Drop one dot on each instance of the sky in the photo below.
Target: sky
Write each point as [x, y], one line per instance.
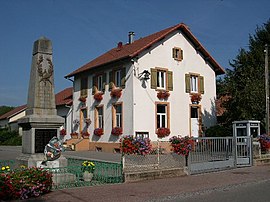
[81, 30]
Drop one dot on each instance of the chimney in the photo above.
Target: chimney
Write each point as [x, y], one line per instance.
[131, 37]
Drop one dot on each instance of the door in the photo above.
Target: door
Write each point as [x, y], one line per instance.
[194, 121]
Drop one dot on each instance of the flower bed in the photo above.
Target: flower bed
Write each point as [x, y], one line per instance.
[131, 145]
[265, 142]
[117, 131]
[98, 131]
[24, 183]
[181, 145]
[163, 132]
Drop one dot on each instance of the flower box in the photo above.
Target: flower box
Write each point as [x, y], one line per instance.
[74, 135]
[98, 96]
[117, 131]
[195, 98]
[85, 135]
[98, 132]
[163, 132]
[82, 99]
[87, 121]
[163, 94]
[116, 92]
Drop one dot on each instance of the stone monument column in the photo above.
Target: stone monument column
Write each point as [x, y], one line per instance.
[41, 122]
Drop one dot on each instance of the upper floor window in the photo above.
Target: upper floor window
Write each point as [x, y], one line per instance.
[194, 83]
[161, 79]
[84, 85]
[117, 78]
[177, 53]
[99, 82]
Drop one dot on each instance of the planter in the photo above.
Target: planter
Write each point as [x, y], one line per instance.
[98, 96]
[195, 98]
[163, 94]
[74, 135]
[87, 176]
[98, 132]
[116, 93]
[117, 131]
[163, 132]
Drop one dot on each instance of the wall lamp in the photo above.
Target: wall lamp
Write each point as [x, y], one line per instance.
[144, 75]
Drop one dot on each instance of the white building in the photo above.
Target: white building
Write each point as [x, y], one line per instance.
[179, 66]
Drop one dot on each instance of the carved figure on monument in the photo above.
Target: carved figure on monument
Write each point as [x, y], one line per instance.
[53, 150]
[44, 74]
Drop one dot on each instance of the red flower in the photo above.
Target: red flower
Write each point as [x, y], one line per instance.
[196, 98]
[85, 134]
[163, 94]
[82, 99]
[163, 132]
[98, 96]
[117, 131]
[98, 131]
[63, 132]
[116, 92]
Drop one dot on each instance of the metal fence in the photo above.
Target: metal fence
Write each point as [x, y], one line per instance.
[212, 153]
[159, 158]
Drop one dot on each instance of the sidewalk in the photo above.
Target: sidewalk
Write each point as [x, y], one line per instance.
[162, 189]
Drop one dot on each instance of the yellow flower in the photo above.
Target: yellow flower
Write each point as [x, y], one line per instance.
[3, 168]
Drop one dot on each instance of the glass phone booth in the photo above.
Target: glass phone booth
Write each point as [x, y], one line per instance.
[243, 132]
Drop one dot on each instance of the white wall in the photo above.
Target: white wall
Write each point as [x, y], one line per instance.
[145, 98]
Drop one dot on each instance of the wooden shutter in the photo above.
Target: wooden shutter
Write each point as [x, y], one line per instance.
[187, 82]
[111, 81]
[123, 77]
[181, 55]
[153, 78]
[104, 81]
[84, 84]
[170, 80]
[201, 84]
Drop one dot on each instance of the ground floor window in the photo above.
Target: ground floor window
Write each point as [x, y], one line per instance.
[162, 115]
[99, 120]
[117, 115]
[141, 135]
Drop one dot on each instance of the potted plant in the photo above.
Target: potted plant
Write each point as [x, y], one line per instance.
[139, 146]
[196, 98]
[162, 94]
[117, 131]
[88, 168]
[116, 92]
[98, 132]
[74, 135]
[85, 134]
[163, 132]
[98, 96]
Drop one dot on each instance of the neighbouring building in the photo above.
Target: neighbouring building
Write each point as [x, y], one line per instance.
[166, 80]
[63, 101]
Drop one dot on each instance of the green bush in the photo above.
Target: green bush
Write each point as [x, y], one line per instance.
[218, 131]
[10, 138]
[24, 183]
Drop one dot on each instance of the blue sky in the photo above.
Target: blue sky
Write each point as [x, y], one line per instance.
[81, 30]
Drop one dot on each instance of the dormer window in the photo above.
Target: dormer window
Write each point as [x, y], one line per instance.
[177, 53]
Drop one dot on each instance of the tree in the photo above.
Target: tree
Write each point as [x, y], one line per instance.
[5, 109]
[245, 82]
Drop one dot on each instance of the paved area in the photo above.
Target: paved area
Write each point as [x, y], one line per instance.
[184, 188]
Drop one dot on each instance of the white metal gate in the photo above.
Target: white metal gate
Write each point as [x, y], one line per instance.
[243, 150]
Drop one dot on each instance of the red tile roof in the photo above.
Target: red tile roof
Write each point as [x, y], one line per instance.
[13, 112]
[133, 49]
[64, 97]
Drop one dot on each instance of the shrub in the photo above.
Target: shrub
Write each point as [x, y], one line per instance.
[218, 131]
[181, 145]
[24, 183]
[10, 137]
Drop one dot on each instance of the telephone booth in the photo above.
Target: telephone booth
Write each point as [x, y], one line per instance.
[243, 132]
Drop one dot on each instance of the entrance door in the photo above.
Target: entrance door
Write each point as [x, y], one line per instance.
[194, 121]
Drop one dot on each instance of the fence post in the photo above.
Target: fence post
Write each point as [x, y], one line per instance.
[234, 150]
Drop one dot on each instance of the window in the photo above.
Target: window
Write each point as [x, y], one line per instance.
[83, 116]
[99, 82]
[142, 135]
[84, 84]
[117, 78]
[117, 114]
[194, 83]
[99, 121]
[177, 54]
[161, 79]
[162, 115]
